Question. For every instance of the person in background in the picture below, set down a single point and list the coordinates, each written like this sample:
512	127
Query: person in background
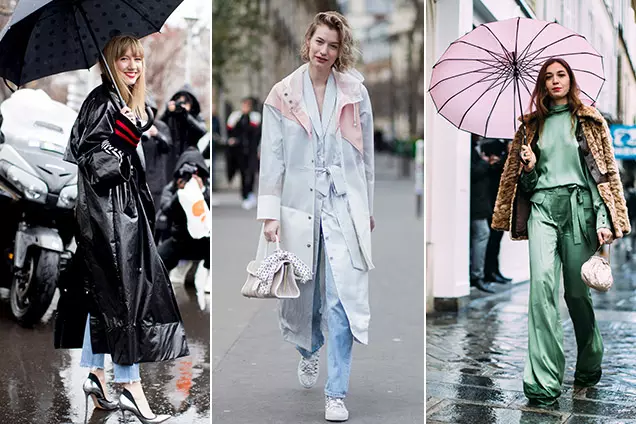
480	213
182	116
156	143
495	151
244	136
180	245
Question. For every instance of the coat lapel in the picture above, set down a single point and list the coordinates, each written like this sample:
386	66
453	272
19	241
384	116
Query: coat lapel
329	105
311	103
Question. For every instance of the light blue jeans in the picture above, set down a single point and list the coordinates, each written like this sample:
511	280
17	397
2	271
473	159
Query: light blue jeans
123	373
340	338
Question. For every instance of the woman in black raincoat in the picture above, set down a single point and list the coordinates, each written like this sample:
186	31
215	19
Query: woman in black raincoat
132	313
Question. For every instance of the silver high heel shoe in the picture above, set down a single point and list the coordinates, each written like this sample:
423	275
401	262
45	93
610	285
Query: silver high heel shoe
93	388
127	404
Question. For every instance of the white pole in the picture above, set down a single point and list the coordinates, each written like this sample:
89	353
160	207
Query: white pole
419	177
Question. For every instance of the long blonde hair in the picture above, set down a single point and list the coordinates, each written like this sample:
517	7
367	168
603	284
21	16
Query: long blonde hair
134	96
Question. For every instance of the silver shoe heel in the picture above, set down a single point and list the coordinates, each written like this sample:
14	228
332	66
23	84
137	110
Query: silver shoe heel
93	388
86	409
127	403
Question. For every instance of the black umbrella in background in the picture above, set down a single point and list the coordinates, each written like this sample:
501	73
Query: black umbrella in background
47	37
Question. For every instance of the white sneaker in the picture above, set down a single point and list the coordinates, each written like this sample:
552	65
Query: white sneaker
250	202
201	279
308	370
178	274
335	409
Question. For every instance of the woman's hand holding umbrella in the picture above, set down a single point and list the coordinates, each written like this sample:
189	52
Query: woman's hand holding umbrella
127	112
529	158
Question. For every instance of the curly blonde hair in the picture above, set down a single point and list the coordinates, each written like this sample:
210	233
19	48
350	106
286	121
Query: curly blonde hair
348	51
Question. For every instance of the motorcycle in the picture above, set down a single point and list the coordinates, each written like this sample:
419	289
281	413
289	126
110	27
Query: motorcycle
38	191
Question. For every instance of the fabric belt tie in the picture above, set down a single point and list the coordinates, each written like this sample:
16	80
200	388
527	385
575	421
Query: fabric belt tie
331	179
578	215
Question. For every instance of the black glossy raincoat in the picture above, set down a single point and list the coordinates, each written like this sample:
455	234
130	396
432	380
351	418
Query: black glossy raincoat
134	313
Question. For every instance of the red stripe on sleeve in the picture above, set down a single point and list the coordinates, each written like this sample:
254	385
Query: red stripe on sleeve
125	137
125	128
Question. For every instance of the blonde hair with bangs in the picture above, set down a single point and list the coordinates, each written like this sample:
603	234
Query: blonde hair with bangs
347	52
134	96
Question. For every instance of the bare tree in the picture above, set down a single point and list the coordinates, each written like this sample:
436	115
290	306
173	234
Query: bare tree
164	66
163	62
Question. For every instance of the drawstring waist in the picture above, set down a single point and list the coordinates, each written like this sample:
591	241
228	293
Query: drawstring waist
577	196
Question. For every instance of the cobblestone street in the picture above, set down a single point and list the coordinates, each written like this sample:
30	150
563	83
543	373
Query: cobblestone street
475	360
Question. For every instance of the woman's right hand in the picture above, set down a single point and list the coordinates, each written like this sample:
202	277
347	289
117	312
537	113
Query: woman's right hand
529	158
127	112
271	229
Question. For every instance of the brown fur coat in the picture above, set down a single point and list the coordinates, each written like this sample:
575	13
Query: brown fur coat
512	208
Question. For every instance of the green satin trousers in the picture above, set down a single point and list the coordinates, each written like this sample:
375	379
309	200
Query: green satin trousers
562	236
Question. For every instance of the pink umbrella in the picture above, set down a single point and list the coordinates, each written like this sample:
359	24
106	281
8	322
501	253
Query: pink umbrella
483	82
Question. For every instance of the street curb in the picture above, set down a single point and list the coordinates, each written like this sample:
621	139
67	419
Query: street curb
494	296
462	304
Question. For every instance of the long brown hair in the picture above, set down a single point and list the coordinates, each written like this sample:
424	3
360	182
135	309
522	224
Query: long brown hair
541	99
134	96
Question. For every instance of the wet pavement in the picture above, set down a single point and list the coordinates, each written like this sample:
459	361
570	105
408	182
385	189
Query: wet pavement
254	370
41	385
475	360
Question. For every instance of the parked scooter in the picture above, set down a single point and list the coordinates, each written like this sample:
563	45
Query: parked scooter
38	191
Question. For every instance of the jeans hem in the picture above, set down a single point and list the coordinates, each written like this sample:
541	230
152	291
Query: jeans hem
335	395
126	381
90	365
300	350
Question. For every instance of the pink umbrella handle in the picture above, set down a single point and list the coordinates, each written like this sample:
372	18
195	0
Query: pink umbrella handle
524	143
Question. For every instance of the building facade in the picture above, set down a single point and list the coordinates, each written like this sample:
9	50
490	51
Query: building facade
279	48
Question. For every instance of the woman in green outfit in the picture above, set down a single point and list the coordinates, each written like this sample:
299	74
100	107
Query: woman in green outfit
561	192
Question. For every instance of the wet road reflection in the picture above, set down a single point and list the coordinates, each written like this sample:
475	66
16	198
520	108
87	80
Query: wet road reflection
44	386
475	360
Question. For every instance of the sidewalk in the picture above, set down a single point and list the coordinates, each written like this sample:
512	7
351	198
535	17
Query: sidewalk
475	361
254	370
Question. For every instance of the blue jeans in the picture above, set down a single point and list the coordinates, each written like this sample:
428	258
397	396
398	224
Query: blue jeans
123	373
339	332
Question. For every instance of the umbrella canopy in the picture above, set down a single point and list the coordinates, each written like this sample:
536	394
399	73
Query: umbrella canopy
46	37
484	80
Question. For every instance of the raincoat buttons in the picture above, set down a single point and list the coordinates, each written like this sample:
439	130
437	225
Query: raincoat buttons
308	245
309	218
311	189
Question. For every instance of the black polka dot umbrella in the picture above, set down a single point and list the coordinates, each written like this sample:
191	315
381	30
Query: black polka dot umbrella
46	37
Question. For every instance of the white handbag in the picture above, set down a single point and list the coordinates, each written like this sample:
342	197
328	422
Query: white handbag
596	273
274	276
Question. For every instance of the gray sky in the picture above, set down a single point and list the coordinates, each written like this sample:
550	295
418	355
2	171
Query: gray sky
201	9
